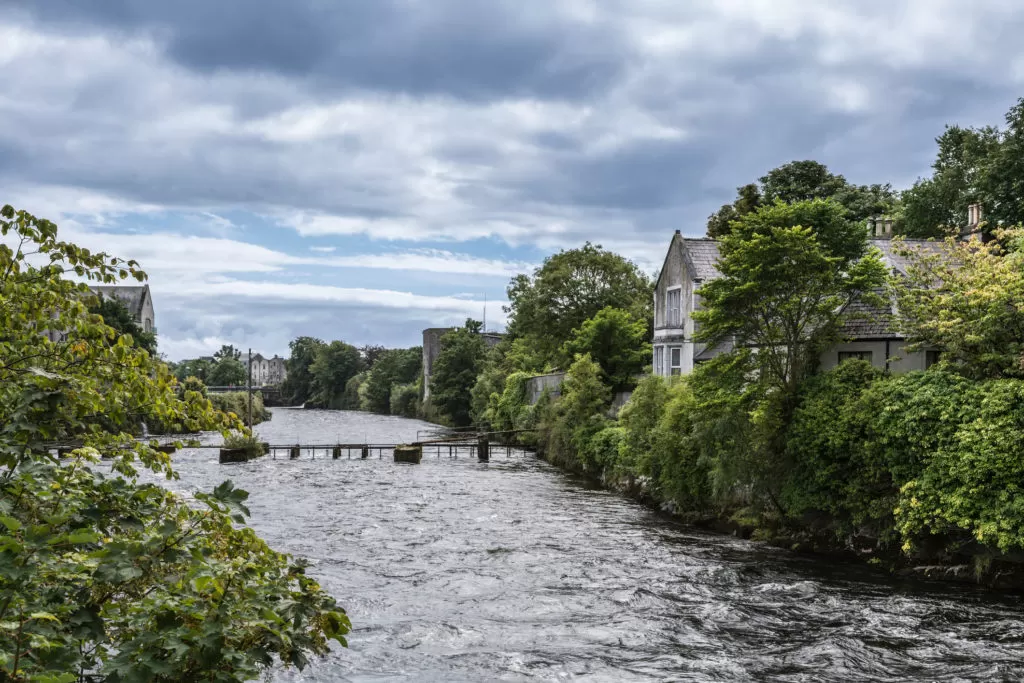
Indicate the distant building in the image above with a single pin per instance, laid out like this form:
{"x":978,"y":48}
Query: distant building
{"x":267,"y":371}
{"x":432,"y":347}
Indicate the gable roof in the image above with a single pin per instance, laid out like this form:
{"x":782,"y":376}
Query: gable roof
{"x":134,"y":298}
{"x":700,"y":256}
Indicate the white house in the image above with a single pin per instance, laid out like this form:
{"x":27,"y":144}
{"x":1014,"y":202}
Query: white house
{"x":870,"y":334}
{"x":267,"y":371}
{"x":138,"y":300}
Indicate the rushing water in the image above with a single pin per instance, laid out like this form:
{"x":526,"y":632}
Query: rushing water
{"x":455,"y":570}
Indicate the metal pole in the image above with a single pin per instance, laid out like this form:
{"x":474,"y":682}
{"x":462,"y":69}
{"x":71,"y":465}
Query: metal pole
{"x":249,"y":384}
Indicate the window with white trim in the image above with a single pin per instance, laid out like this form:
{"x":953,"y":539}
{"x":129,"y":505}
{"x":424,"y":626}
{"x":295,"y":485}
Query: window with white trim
{"x":659,"y":360}
{"x":675,"y":310}
{"x":676,"y":360}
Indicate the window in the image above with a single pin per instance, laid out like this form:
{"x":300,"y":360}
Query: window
{"x":854,"y":355}
{"x":659,"y":360}
{"x":931,"y":358}
{"x":675,"y":312}
{"x":676,"y":361}
{"x":148,"y":327}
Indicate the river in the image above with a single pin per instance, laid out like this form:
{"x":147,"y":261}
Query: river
{"x":455,"y":570}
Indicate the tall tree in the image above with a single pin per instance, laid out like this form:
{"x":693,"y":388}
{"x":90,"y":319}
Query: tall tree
{"x":371,"y":353}
{"x":799,"y":181}
{"x":617,"y":342}
{"x":570,"y":288}
{"x":394,"y":367}
{"x":298,"y":385}
{"x":455,"y":373}
{"x":227,"y":372}
{"x":937,"y":206}
{"x":336,"y":363}
{"x":785,"y":285}
{"x":117,"y":316}
{"x":106,"y":575}
{"x":228,"y":351}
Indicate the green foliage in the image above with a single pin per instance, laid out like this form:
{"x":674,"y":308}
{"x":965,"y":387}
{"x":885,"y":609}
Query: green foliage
{"x":237,"y":403}
{"x":639,"y":419}
{"x":199,"y":368}
{"x":350,"y":400}
{"x":297,"y":388}
{"x":227,"y":372}
{"x":966,"y":301}
{"x":395,"y":367}
{"x":785,"y":285}
{"x":569,"y":289}
{"x":226,"y":352}
{"x":579,"y":415}
{"x":117,"y":316}
{"x":103,"y":577}
{"x":617,"y":341}
{"x":455,"y":373}
{"x":335,"y":364}
{"x":193,"y":384}
{"x":405,"y":399}
{"x":804,"y":181}
{"x":251,"y":443}
{"x":973,"y":484}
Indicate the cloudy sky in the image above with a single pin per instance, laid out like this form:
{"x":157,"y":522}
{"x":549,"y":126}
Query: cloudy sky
{"x":362,"y":169}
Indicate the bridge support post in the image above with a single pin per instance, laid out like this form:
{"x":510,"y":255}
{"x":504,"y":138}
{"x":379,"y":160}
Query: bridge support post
{"x":365,"y":453}
{"x":410,"y":454}
{"x":337,"y":452}
{"x":294,"y":452}
{"x":483,"y":449}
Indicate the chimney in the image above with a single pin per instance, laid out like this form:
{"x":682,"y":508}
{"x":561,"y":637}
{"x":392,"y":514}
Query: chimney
{"x":887,"y":228}
{"x":678,"y":233}
{"x":871,"y":226}
{"x":974,"y":218}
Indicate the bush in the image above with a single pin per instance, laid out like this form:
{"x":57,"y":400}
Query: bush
{"x":405,"y":400}
{"x":237,"y":402}
{"x":252,"y":445}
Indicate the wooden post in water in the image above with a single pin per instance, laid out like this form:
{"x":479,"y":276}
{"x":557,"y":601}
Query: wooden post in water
{"x":366,"y":452}
{"x":337,"y":452}
{"x":248,"y":385}
{"x":294,"y":453}
{"x":483,"y":449}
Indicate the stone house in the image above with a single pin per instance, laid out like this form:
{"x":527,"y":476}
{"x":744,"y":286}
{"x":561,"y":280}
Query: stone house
{"x":870,"y":334}
{"x":267,"y":371}
{"x":137,"y":299}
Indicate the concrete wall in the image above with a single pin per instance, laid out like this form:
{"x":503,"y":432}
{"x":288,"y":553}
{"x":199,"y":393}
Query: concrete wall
{"x":432,"y":347}
{"x":535,"y":386}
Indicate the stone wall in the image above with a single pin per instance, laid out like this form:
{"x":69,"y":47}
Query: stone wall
{"x":535,"y":386}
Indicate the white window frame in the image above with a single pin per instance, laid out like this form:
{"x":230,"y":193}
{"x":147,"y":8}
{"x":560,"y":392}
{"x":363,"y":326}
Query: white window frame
{"x":659,"y":360}
{"x":675,"y":368}
{"x":676,"y":321}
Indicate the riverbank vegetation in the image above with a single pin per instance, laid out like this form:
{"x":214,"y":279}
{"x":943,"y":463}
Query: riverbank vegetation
{"x":103,"y":576}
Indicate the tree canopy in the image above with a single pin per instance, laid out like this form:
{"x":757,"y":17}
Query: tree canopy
{"x":103,"y":576}
{"x":617,"y":342}
{"x":788,"y":274}
{"x":801,"y":181}
{"x":335,"y":364}
{"x":570,"y":288}
{"x":227,"y":372}
{"x":298,"y":385}
{"x":455,"y":373}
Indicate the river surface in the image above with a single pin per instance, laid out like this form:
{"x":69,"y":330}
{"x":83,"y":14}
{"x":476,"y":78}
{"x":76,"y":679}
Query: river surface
{"x":454,"y":570}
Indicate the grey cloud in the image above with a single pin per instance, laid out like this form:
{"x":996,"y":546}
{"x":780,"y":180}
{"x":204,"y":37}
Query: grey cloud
{"x":461,"y":48}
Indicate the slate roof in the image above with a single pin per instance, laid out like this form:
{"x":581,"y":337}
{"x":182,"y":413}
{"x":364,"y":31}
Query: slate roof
{"x":134,"y":298}
{"x":898,"y":262}
{"x":700,"y":255}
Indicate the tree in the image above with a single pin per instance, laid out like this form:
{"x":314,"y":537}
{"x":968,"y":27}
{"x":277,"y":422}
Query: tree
{"x":966,"y":302}
{"x":1005,"y":177}
{"x":298,"y":385}
{"x":336,"y":363}
{"x":199,"y":368}
{"x":228,"y":351}
{"x":455,"y":372}
{"x":937,"y":206}
{"x":617,"y":342}
{"x":570,"y":288}
{"x":784,"y":287}
{"x":394,"y":367}
{"x":103,"y":576}
{"x":228,"y":372}
{"x":116,"y":315}
{"x":803,"y":181}
{"x":371,"y":353}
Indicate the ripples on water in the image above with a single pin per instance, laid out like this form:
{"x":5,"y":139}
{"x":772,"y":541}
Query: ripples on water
{"x":455,"y":570}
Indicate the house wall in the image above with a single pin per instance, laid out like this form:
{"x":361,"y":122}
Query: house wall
{"x":148,"y":321}
{"x":668,"y":336}
{"x":900,"y":360}
{"x":535,"y":386}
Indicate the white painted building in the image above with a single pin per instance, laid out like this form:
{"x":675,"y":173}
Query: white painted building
{"x":266,"y":371}
{"x":870,"y":334}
